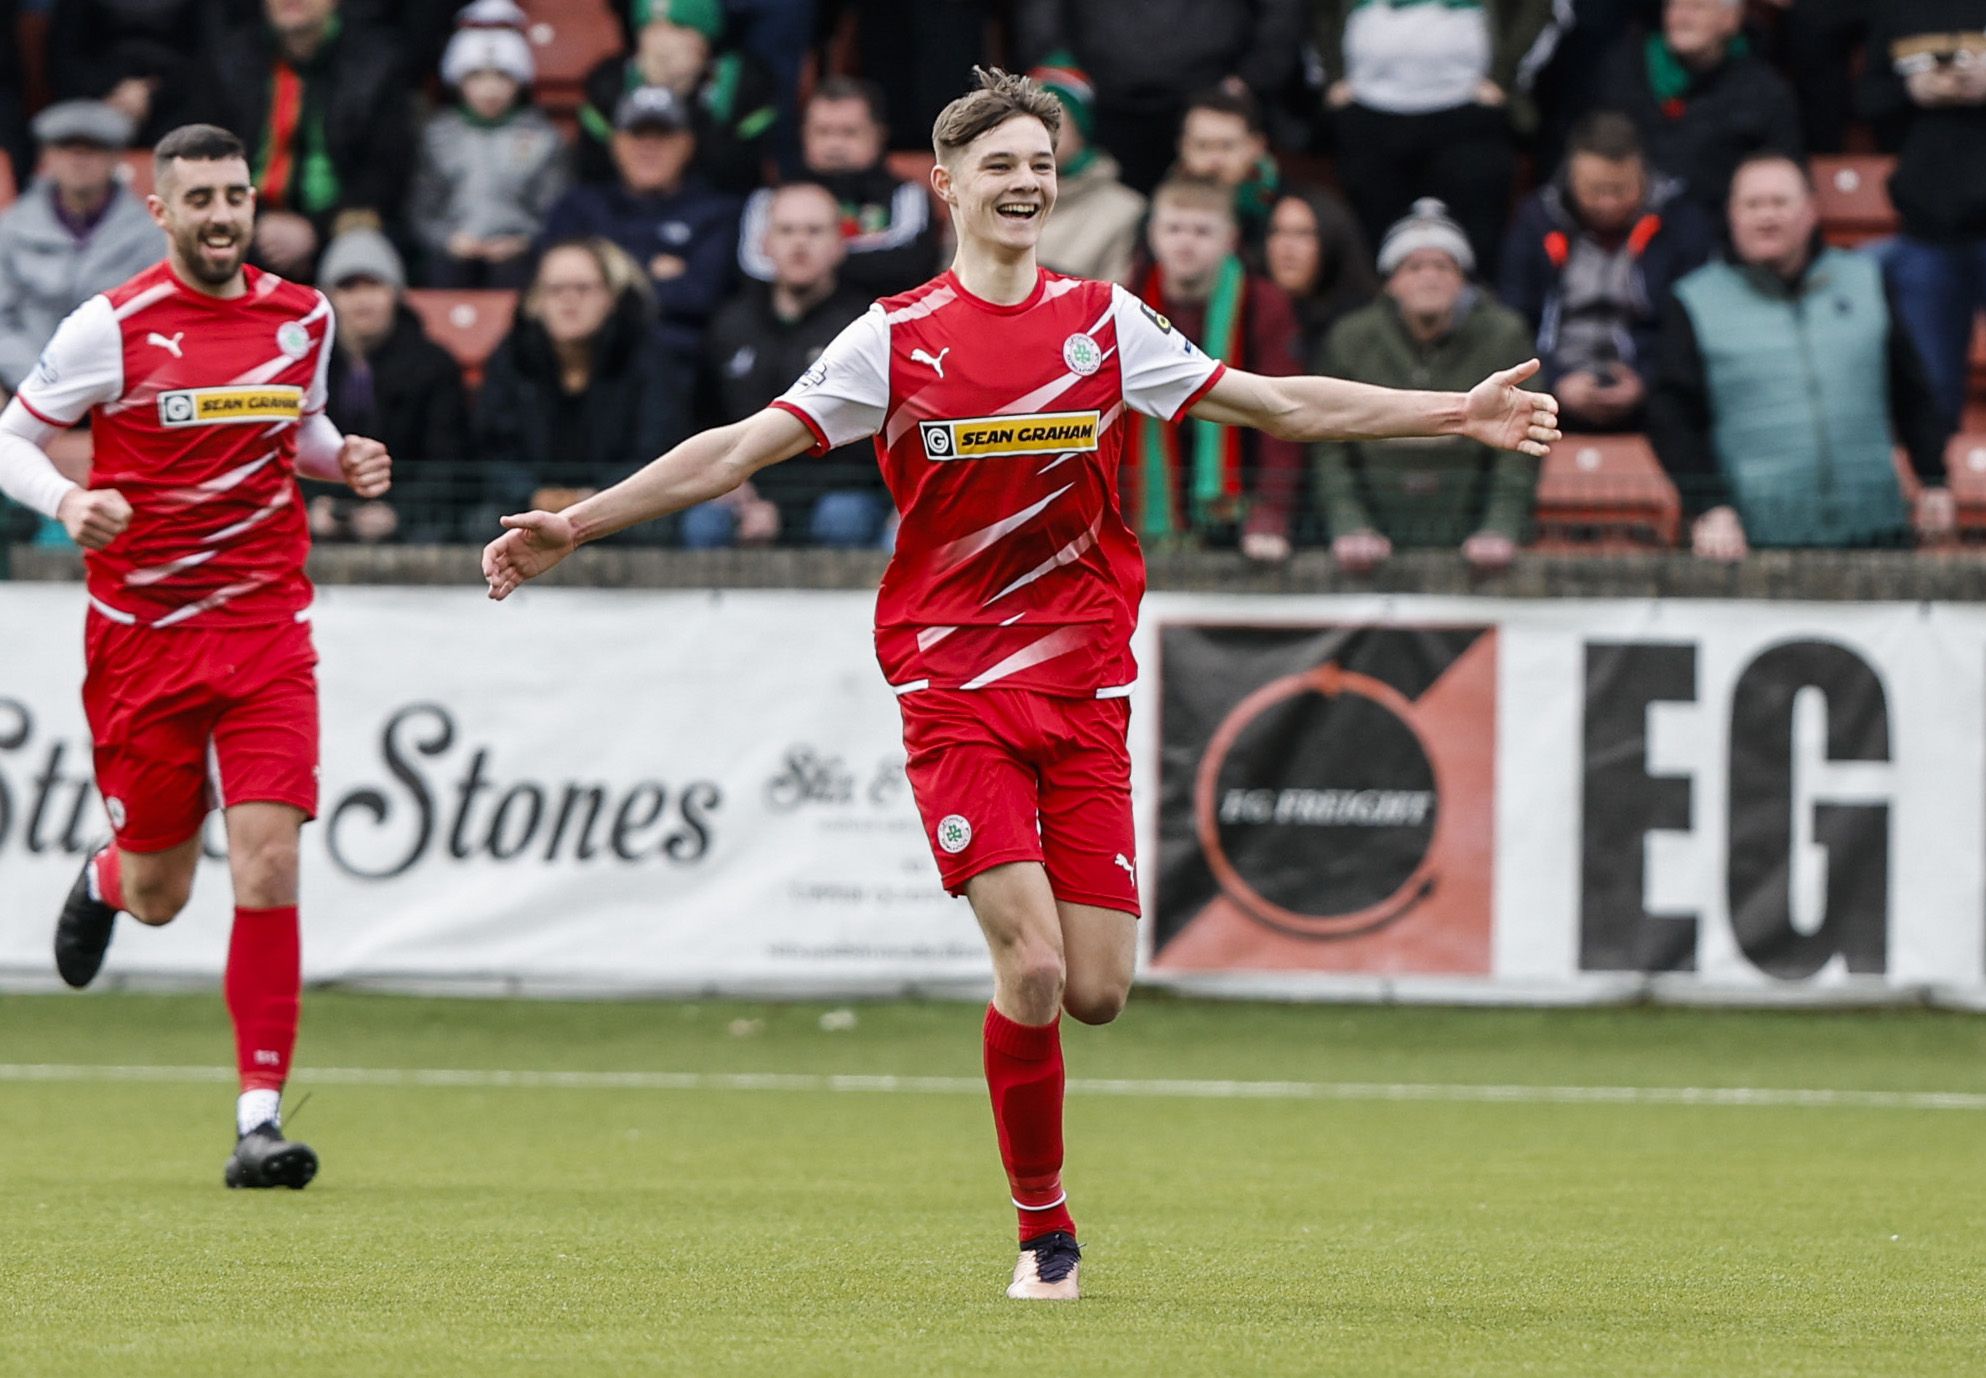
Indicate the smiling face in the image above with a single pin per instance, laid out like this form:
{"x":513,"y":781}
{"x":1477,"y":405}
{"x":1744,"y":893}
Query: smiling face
{"x":1001,"y":186}
{"x":207,"y":209}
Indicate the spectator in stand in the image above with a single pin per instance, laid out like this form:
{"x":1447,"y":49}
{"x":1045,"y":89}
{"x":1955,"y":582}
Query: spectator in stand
{"x":74,"y":233}
{"x":1589,"y":262}
{"x":1816,"y":45}
{"x":583,"y":390}
{"x":892,"y":239}
{"x":1432,"y":329}
{"x":1702,"y":99}
{"x":1568,"y":85}
{"x":327,"y":113}
{"x":144,"y":58}
{"x":1785,"y":383}
{"x":1148,"y":56}
{"x":1222,"y":139}
{"x":763,"y":339}
{"x":1424,"y":103}
{"x":1094,"y":231}
{"x":417,"y":29}
{"x":666,"y":216}
{"x":1926,"y":83}
{"x":1194,"y":483}
{"x":1316,"y":254}
{"x":779,"y":35}
{"x":733,"y":107}
{"x":491,"y":166}
{"x":388,"y":380}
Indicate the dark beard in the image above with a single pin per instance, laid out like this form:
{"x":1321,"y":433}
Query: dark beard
{"x":190,"y":252}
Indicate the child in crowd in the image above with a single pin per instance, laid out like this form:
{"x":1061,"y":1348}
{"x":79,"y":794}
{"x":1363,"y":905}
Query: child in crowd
{"x":491,"y":165}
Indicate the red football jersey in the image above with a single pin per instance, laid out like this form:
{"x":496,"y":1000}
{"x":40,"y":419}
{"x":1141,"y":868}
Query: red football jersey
{"x":999,"y":432}
{"x":194,"y":404}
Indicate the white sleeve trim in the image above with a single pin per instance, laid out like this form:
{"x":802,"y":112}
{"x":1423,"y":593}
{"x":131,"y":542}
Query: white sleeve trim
{"x":27,"y":474}
{"x":318,"y":444}
{"x":847,"y":391}
{"x":82,"y":366}
{"x":1161,"y":368}
{"x":319,"y":392}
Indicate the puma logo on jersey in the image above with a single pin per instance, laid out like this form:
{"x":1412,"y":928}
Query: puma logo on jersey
{"x":1129,"y":869}
{"x":170,"y":346}
{"x":919,"y":356}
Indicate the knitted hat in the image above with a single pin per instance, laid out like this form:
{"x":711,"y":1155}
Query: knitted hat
{"x":362,"y":253}
{"x":1426,"y":226}
{"x":487,"y":50}
{"x":1070,"y":84}
{"x":492,"y":14}
{"x":705,"y":16}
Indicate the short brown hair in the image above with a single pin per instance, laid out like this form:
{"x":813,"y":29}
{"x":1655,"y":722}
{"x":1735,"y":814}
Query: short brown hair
{"x":1607,"y":134}
{"x":998,"y":97}
{"x":196,"y":143}
{"x":1194,"y":194}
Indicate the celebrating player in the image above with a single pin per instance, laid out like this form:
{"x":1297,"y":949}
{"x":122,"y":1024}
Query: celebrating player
{"x":204,"y":381}
{"x":996,"y":394}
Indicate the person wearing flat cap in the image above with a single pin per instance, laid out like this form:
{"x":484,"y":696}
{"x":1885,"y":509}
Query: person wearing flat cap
{"x":663,"y":213}
{"x":76,"y":232}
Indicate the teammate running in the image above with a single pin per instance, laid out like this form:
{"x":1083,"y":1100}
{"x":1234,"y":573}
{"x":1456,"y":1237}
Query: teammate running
{"x":204,"y":383}
{"x":996,"y":394}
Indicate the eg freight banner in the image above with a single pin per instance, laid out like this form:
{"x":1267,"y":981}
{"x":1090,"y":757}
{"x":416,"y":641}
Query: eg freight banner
{"x":587,"y":790}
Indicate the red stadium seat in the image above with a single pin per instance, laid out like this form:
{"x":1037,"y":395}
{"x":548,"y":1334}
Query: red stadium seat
{"x":469,"y":325}
{"x":1605,"y":493}
{"x":1965,"y":468}
{"x":1853,"y":191}
{"x":568,"y":38}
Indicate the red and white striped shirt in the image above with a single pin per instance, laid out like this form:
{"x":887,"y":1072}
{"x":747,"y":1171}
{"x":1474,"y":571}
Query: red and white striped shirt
{"x":195,"y":403}
{"x":998,"y":430}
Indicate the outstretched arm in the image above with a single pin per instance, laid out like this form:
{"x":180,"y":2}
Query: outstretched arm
{"x":1497,"y":411}
{"x":707,"y":465}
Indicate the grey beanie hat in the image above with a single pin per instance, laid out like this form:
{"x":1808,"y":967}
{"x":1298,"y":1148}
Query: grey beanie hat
{"x":1427,"y":226}
{"x":362,"y":254}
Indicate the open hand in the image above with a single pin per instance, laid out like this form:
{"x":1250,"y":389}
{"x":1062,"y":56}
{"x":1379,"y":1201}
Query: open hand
{"x":94,"y":517}
{"x":1502,"y":415}
{"x":367,"y":468}
{"x":534,"y":543}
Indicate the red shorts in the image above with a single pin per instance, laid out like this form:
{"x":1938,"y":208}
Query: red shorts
{"x":1007,"y":775}
{"x":187,"y":721}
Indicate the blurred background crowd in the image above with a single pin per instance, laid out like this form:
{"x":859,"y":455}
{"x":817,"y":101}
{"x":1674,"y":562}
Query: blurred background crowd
{"x":1747,"y":240}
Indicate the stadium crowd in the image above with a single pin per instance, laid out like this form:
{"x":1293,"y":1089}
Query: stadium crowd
{"x":559,"y":236}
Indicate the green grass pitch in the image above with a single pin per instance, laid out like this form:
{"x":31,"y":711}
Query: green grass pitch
{"x":794,"y":1225}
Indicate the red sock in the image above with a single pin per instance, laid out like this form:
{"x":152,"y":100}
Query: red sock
{"x":1024,"y":1075}
{"x":264,"y":985}
{"x":109,"y":876}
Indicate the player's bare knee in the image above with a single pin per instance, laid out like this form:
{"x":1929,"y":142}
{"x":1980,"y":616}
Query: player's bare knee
{"x":1094,"y":1005}
{"x":1035,"y":980}
{"x":158,"y":902}
{"x":266,"y":871}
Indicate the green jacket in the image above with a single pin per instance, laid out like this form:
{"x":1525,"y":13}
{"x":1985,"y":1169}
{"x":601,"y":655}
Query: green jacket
{"x":1424,"y":492}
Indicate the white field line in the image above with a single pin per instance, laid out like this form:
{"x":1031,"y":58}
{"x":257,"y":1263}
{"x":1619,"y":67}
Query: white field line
{"x":480,"y":1079}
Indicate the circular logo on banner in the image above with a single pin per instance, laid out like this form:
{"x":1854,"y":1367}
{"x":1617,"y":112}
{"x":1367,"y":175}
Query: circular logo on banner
{"x":1317,"y":805}
{"x":938,"y":440}
{"x":954,"y":834}
{"x":293,"y":339}
{"x":1081,"y":354}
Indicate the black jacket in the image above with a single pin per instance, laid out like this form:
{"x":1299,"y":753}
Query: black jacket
{"x":1940,"y":182}
{"x":1738,"y":108}
{"x":420,"y":412}
{"x":751,"y":357}
{"x":366,"y":101}
{"x":1155,"y":53}
{"x":531,"y":434}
